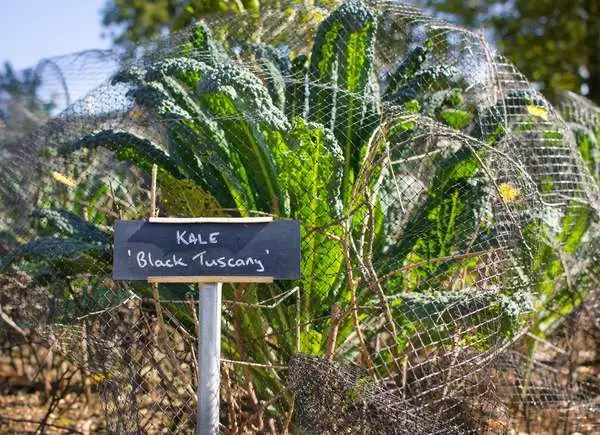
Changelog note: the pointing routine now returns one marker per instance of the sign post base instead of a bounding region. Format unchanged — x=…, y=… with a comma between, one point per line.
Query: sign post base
x=209, y=358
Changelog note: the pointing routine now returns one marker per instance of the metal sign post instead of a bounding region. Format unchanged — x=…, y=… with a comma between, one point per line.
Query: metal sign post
x=209, y=357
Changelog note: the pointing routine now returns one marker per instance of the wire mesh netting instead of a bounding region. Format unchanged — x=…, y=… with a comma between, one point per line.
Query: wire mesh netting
x=450, y=251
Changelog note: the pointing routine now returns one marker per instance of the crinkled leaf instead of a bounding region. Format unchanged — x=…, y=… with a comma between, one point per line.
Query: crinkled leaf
x=343, y=91
x=67, y=256
x=127, y=146
x=456, y=118
x=465, y=315
x=67, y=224
x=310, y=171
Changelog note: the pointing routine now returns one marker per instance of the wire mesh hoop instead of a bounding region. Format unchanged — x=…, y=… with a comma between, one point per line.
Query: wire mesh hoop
x=449, y=212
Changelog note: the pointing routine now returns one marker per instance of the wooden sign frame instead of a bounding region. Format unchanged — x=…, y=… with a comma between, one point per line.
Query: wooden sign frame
x=134, y=238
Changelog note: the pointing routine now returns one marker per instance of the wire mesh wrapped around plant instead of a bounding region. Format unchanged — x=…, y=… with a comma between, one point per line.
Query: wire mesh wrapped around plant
x=448, y=213
x=333, y=397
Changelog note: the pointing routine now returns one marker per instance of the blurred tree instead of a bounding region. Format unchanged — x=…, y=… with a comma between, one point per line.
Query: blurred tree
x=135, y=20
x=132, y=21
x=20, y=108
x=553, y=42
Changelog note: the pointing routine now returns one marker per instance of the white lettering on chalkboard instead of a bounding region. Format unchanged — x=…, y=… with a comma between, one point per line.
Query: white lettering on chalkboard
x=231, y=262
x=185, y=238
x=145, y=259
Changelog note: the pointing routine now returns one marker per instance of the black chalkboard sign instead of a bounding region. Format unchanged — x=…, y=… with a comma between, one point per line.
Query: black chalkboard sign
x=144, y=249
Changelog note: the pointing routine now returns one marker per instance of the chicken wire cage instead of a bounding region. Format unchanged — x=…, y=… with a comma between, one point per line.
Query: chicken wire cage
x=448, y=214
